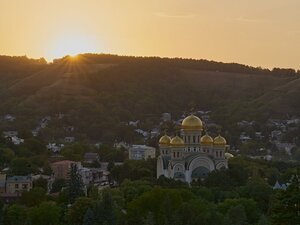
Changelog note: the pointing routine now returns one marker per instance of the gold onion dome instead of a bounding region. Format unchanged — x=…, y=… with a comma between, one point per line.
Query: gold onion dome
x=192, y=123
x=228, y=155
x=219, y=140
x=177, y=141
x=206, y=140
x=164, y=140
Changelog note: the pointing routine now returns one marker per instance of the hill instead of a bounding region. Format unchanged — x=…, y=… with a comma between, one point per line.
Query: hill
x=97, y=92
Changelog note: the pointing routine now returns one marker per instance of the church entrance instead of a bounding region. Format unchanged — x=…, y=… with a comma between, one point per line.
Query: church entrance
x=200, y=172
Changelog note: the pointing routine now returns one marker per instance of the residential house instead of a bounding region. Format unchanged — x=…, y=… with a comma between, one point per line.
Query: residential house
x=18, y=184
x=91, y=157
x=139, y=152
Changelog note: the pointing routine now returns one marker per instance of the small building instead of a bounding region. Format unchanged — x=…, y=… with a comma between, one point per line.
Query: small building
x=9, y=118
x=166, y=117
x=54, y=147
x=18, y=184
x=91, y=157
x=121, y=144
x=69, y=139
x=139, y=152
x=61, y=169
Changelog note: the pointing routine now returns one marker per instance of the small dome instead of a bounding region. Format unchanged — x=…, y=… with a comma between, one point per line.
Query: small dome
x=206, y=140
x=219, y=140
x=228, y=155
x=164, y=140
x=177, y=141
x=192, y=123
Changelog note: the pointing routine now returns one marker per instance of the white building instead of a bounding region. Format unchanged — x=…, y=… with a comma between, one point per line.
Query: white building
x=193, y=156
x=139, y=152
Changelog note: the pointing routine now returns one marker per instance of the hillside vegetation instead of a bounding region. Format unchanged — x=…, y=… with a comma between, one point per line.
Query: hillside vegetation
x=97, y=92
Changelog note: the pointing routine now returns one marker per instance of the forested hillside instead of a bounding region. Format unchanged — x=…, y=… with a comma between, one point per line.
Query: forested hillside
x=97, y=92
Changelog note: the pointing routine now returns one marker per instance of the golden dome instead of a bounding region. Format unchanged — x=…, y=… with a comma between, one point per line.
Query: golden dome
x=177, y=141
x=192, y=123
x=228, y=155
x=164, y=140
x=219, y=140
x=206, y=140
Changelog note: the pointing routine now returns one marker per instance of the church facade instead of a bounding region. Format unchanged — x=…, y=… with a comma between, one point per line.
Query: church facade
x=191, y=156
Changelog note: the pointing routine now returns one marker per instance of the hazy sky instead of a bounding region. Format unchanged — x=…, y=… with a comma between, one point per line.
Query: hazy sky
x=255, y=32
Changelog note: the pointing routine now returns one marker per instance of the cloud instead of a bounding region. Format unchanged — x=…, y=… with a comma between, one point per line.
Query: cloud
x=248, y=20
x=175, y=15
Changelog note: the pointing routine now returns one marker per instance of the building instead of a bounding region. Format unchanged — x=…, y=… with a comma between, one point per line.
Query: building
x=61, y=169
x=139, y=152
x=91, y=157
x=192, y=156
x=18, y=184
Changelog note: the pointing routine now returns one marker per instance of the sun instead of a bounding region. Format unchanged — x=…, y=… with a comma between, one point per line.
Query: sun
x=71, y=45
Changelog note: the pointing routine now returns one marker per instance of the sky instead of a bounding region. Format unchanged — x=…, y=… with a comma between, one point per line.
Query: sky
x=262, y=33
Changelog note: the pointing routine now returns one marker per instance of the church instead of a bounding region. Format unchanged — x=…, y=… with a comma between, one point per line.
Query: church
x=191, y=156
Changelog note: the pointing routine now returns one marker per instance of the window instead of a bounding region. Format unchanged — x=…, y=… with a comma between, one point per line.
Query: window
x=177, y=154
x=217, y=153
x=16, y=185
x=194, y=139
x=174, y=154
x=24, y=186
x=189, y=139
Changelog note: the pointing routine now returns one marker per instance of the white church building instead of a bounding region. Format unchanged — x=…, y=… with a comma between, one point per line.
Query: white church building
x=191, y=156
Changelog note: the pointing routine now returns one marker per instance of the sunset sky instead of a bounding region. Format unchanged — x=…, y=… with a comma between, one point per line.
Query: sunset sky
x=255, y=32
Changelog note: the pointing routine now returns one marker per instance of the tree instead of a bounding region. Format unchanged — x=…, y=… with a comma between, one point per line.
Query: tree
x=236, y=215
x=57, y=185
x=33, y=197
x=75, y=185
x=42, y=183
x=77, y=211
x=286, y=206
x=15, y=215
x=48, y=213
x=89, y=217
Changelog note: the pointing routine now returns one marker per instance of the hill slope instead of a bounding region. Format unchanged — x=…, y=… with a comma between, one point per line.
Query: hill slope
x=99, y=91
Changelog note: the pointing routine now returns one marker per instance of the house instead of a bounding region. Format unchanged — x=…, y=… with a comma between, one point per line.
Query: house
x=121, y=144
x=2, y=183
x=144, y=133
x=9, y=118
x=61, y=169
x=139, y=152
x=279, y=186
x=133, y=123
x=287, y=147
x=55, y=148
x=166, y=117
x=244, y=138
x=7, y=134
x=18, y=184
x=69, y=139
x=16, y=140
x=276, y=134
x=91, y=176
x=91, y=157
